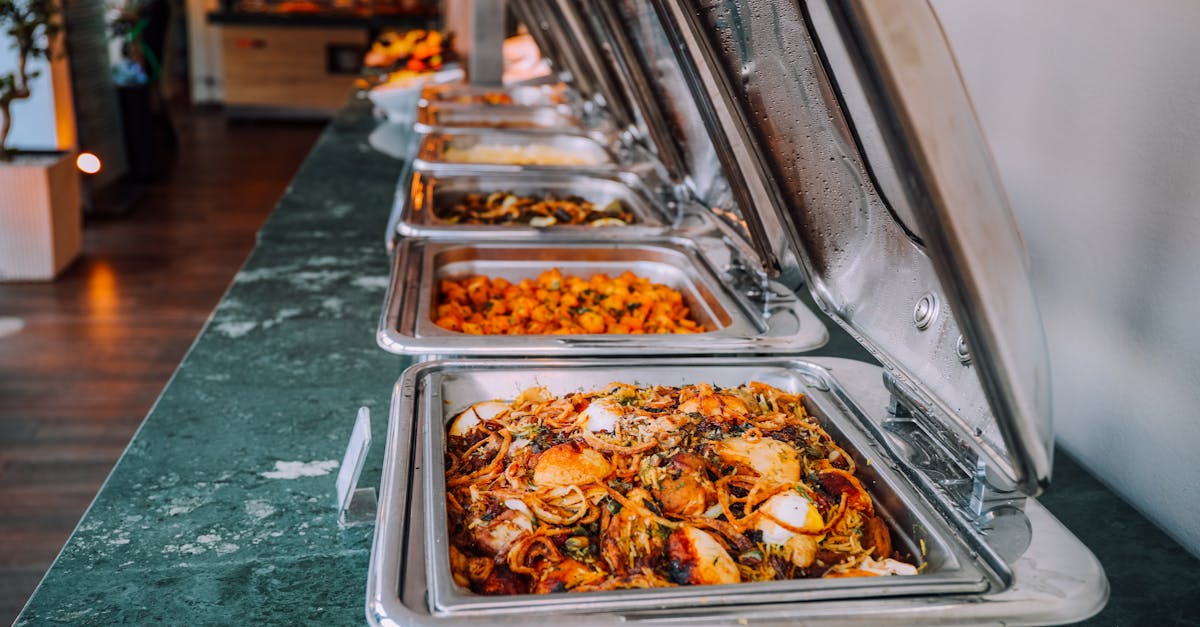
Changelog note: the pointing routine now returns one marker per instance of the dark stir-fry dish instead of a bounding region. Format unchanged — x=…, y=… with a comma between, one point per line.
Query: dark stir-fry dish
x=637, y=487
x=546, y=210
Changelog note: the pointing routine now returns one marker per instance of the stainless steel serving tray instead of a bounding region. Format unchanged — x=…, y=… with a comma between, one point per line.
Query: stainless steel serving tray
x=407, y=327
x=429, y=193
x=1053, y=584
x=434, y=146
x=518, y=118
x=526, y=95
x=918, y=534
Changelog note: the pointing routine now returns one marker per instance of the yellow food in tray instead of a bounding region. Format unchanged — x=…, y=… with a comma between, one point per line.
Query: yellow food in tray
x=557, y=304
x=530, y=154
x=638, y=487
x=490, y=98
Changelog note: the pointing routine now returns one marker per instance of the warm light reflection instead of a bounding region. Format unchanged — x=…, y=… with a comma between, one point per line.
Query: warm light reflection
x=88, y=163
x=102, y=290
x=418, y=191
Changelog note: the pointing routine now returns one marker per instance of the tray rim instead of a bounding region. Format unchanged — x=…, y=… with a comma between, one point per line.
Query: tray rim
x=571, y=122
x=624, y=154
x=960, y=574
x=572, y=98
x=663, y=223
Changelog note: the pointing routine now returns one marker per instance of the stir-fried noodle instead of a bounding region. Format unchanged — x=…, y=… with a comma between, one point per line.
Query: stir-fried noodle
x=632, y=487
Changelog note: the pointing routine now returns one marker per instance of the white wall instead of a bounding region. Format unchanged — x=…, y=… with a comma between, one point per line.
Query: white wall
x=33, y=119
x=1092, y=109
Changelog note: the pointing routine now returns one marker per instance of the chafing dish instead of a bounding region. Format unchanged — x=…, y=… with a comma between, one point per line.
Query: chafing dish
x=877, y=190
x=502, y=117
x=737, y=325
x=946, y=567
x=524, y=95
x=431, y=194
x=964, y=580
x=441, y=151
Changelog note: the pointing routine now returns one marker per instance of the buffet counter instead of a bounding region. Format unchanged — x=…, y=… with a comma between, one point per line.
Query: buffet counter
x=222, y=508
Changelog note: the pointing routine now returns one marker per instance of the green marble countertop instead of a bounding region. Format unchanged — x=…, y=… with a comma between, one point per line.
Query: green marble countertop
x=222, y=509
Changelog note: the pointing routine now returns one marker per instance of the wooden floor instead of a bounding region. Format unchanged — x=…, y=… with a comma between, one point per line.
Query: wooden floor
x=83, y=359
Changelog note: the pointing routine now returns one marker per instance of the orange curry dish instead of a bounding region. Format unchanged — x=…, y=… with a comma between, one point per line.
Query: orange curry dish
x=562, y=305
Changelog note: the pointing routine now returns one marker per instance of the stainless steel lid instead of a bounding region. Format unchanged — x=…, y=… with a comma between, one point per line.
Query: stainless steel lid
x=564, y=36
x=695, y=155
x=853, y=156
x=588, y=40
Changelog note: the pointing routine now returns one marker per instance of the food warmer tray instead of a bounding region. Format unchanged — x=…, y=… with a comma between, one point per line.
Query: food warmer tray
x=525, y=119
x=524, y=95
x=924, y=538
x=435, y=151
x=610, y=164
x=972, y=583
x=876, y=188
x=531, y=108
x=656, y=217
x=781, y=323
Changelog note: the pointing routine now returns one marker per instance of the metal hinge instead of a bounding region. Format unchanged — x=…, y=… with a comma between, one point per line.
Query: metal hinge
x=748, y=279
x=958, y=473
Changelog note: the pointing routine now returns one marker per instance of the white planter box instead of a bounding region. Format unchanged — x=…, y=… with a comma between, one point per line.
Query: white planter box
x=41, y=221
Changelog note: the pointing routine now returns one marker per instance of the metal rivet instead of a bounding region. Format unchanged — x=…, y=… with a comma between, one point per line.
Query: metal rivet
x=925, y=311
x=964, y=353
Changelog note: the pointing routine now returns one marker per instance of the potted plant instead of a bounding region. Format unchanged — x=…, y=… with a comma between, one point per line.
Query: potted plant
x=40, y=220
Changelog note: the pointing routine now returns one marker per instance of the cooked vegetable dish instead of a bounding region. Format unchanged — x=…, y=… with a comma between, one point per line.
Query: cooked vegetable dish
x=505, y=207
x=557, y=304
x=637, y=487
